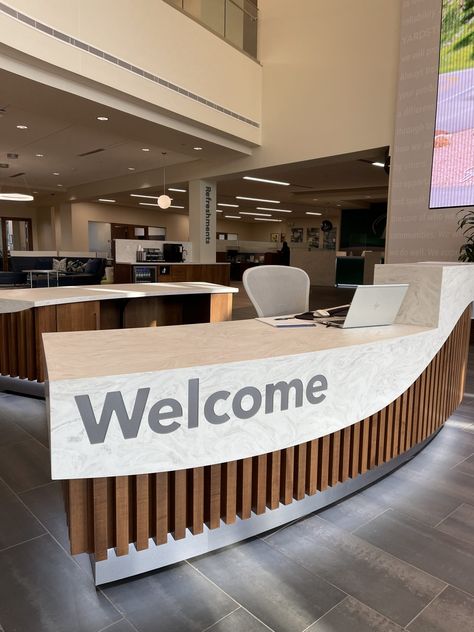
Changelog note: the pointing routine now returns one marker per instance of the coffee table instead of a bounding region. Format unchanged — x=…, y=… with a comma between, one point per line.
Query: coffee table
x=48, y=274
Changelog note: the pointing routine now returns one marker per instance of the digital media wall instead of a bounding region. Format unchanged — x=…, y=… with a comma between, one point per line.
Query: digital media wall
x=452, y=176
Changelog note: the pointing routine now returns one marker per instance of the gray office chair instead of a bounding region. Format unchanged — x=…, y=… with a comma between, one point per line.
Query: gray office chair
x=277, y=290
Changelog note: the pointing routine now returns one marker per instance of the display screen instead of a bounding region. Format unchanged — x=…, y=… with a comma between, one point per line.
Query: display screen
x=452, y=178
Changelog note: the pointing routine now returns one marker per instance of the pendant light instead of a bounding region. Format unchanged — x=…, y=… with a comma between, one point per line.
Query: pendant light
x=164, y=201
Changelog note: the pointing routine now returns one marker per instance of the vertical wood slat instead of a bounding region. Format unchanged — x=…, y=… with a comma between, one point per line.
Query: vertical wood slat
x=373, y=448
x=273, y=479
x=214, y=491
x=244, y=488
x=229, y=492
x=4, y=349
x=355, y=441
x=99, y=490
x=79, y=520
x=312, y=455
x=178, y=503
x=287, y=474
x=122, y=509
x=259, y=483
x=364, y=446
x=300, y=472
x=345, y=463
x=142, y=511
x=162, y=521
x=196, y=498
x=382, y=418
x=334, y=457
x=323, y=463
x=13, y=343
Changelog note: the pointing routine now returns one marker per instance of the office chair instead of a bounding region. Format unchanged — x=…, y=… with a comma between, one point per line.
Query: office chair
x=277, y=290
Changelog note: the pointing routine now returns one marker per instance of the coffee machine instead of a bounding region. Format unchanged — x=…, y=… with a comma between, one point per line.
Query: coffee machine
x=173, y=253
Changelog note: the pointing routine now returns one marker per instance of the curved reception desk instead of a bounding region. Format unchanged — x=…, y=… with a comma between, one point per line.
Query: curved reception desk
x=175, y=441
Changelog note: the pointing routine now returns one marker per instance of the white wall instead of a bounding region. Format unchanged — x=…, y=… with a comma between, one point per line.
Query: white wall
x=155, y=37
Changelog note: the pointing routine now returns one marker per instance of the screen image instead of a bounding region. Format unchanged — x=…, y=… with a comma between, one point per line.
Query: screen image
x=452, y=177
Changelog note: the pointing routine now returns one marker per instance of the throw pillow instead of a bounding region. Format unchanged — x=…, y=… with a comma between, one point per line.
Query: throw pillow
x=60, y=265
x=92, y=266
x=74, y=266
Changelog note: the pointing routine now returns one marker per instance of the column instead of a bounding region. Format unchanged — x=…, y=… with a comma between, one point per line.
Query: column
x=202, y=220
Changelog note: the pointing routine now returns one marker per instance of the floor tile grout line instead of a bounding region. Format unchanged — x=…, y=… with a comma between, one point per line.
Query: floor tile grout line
x=31, y=489
x=12, y=546
x=361, y=525
x=107, y=627
x=227, y=595
x=326, y=613
x=427, y=605
x=448, y=516
x=30, y=436
x=71, y=557
x=347, y=594
x=209, y=627
x=462, y=461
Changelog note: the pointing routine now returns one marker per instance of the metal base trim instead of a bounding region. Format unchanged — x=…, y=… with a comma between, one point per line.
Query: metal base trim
x=136, y=562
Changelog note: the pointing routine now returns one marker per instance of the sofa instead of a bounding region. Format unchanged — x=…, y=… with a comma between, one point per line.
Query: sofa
x=78, y=270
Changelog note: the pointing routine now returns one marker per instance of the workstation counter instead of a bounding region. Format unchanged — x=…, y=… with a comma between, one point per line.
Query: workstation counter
x=25, y=314
x=182, y=440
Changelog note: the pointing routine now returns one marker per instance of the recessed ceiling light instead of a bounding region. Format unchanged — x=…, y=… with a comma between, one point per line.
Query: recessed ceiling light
x=107, y=200
x=232, y=217
x=59, y=185
x=283, y=184
x=16, y=197
x=39, y=155
x=241, y=197
x=223, y=204
x=151, y=197
x=250, y=213
x=145, y=149
x=264, y=219
x=102, y=118
x=131, y=168
x=22, y=126
x=275, y=210
x=175, y=206
x=312, y=213
x=378, y=164
x=197, y=148
x=55, y=173
x=315, y=199
x=178, y=190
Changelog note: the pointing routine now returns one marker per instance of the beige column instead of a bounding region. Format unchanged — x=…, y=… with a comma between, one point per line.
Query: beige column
x=202, y=220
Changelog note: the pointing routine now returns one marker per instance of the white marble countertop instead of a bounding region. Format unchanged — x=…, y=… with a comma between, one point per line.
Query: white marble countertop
x=20, y=299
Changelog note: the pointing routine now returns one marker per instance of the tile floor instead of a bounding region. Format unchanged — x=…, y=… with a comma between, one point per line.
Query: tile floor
x=397, y=556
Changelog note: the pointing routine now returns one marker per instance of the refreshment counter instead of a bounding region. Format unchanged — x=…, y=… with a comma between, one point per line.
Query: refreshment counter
x=179, y=440
x=25, y=314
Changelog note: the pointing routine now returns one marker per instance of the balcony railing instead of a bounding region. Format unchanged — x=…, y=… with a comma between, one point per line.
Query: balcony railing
x=236, y=21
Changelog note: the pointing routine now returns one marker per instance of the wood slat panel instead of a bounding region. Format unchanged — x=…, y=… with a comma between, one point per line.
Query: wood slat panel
x=300, y=472
x=229, y=492
x=214, y=496
x=244, y=488
x=364, y=445
x=122, y=515
x=345, y=463
x=355, y=442
x=312, y=456
x=221, y=307
x=334, y=458
x=178, y=504
x=381, y=436
x=259, y=484
x=323, y=463
x=162, y=521
x=287, y=475
x=79, y=520
x=45, y=321
x=196, y=483
x=142, y=511
x=99, y=487
x=273, y=479
x=373, y=448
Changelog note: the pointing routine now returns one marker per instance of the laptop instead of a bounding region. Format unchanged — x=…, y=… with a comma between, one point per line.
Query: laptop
x=371, y=306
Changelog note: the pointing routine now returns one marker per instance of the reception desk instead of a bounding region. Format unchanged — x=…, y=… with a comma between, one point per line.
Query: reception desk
x=172, y=442
x=25, y=314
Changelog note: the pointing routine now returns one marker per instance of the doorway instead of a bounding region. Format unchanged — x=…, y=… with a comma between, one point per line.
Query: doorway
x=17, y=234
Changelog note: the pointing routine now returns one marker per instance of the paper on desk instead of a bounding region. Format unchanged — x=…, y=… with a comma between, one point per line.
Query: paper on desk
x=289, y=322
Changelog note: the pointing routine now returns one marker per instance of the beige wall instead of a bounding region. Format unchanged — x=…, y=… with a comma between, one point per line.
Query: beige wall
x=416, y=233
x=155, y=37
x=177, y=226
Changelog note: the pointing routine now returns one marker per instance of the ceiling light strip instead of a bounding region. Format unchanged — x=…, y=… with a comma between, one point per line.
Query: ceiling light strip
x=274, y=210
x=252, y=199
x=254, y=179
x=104, y=56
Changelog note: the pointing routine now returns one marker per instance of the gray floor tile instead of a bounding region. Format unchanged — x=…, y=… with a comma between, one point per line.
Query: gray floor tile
x=354, y=511
x=448, y=483
x=275, y=589
x=176, y=598
x=10, y=432
x=28, y=413
x=239, y=621
x=452, y=610
x=48, y=505
x=466, y=466
x=24, y=465
x=437, y=553
x=352, y=615
x=16, y=522
x=460, y=523
x=390, y=586
x=43, y=590
x=416, y=499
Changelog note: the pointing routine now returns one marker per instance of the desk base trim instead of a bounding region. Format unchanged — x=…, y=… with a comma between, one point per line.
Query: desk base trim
x=155, y=556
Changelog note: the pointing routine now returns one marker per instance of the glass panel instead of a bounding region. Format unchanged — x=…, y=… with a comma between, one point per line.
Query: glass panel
x=234, y=22
x=210, y=12
x=17, y=235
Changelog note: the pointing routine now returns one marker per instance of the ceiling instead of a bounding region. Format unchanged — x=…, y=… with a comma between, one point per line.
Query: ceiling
x=64, y=145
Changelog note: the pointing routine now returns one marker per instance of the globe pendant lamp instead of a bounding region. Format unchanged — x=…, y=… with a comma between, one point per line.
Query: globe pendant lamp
x=164, y=201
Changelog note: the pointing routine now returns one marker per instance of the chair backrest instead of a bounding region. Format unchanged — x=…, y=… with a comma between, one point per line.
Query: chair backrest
x=277, y=290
